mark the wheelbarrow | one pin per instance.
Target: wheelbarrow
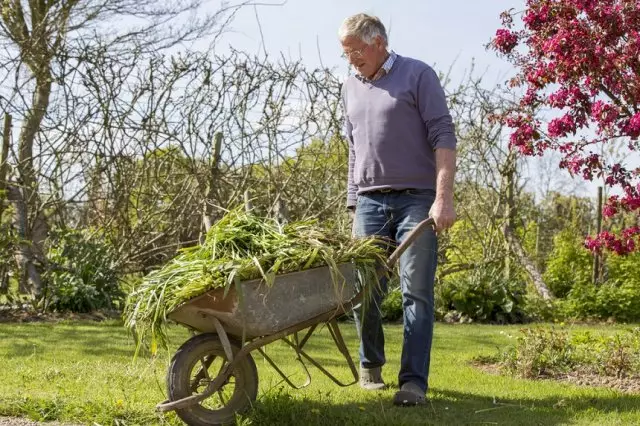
(212, 376)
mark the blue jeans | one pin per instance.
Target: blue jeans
(393, 215)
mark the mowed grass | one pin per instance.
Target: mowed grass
(84, 373)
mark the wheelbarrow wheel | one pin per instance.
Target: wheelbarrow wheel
(197, 363)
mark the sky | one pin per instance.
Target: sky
(449, 35)
(445, 34)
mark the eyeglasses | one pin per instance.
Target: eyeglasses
(352, 54)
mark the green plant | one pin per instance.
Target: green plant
(620, 355)
(538, 352)
(608, 301)
(540, 310)
(541, 352)
(8, 242)
(80, 275)
(482, 294)
(392, 305)
(569, 263)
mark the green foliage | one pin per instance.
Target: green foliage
(466, 245)
(81, 275)
(609, 301)
(568, 265)
(538, 309)
(482, 294)
(8, 241)
(623, 269)
(558, 212)
(391, 307)
(569, 276)
(541, 352)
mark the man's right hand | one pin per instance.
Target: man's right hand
(352, 214)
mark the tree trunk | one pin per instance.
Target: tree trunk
(596, 275)
(4, 157)
(207, 216)
(509, 213)
(512, 242)
(29, 217)
(516, 248)
(24, 254)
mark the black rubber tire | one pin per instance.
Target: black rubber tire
(179, 376)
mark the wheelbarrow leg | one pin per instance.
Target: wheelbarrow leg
(336, 334)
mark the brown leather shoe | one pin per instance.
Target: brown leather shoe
(409, 395)
(371, 379)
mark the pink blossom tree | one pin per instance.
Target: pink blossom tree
(579, 59)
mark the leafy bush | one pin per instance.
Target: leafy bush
(539, 352)
(539, 309)
(542, 352)
(568, 275)
(569, 263)
(482, 294)
(8, 242)
(81, 277)
(609, 301)
(392, 305)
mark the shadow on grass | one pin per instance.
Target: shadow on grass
(445, 408)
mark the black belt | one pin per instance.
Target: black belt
(389, 191)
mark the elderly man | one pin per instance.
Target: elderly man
(401, 170)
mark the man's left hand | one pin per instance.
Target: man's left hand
(443, 213)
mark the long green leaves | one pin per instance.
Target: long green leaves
(237, 248)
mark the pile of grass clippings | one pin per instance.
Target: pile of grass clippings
(240, 247)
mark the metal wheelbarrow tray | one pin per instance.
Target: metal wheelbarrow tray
(263, 309)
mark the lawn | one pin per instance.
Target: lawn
(83, 372)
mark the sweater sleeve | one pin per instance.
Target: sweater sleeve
(432, 104)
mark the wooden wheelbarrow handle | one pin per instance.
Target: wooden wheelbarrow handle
(415, 233)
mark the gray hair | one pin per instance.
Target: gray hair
(363, 26)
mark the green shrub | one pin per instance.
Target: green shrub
(569, 263)
(569, 277)
(608, 301)
(8, 242)
(483, 295)
(81, 277)
(541, 352)
(623, 269)
(392, 305)
(538, 309)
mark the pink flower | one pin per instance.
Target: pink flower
(505, 41)
(609, 210)
(632, 126)
(560, 127)
(604, 114)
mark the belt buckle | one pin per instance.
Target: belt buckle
(385, 190)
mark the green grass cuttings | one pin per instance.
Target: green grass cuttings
(239, 247)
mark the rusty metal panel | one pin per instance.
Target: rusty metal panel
(263, 310)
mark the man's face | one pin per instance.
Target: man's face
(366, 58)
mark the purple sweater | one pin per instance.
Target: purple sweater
(393, 126)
